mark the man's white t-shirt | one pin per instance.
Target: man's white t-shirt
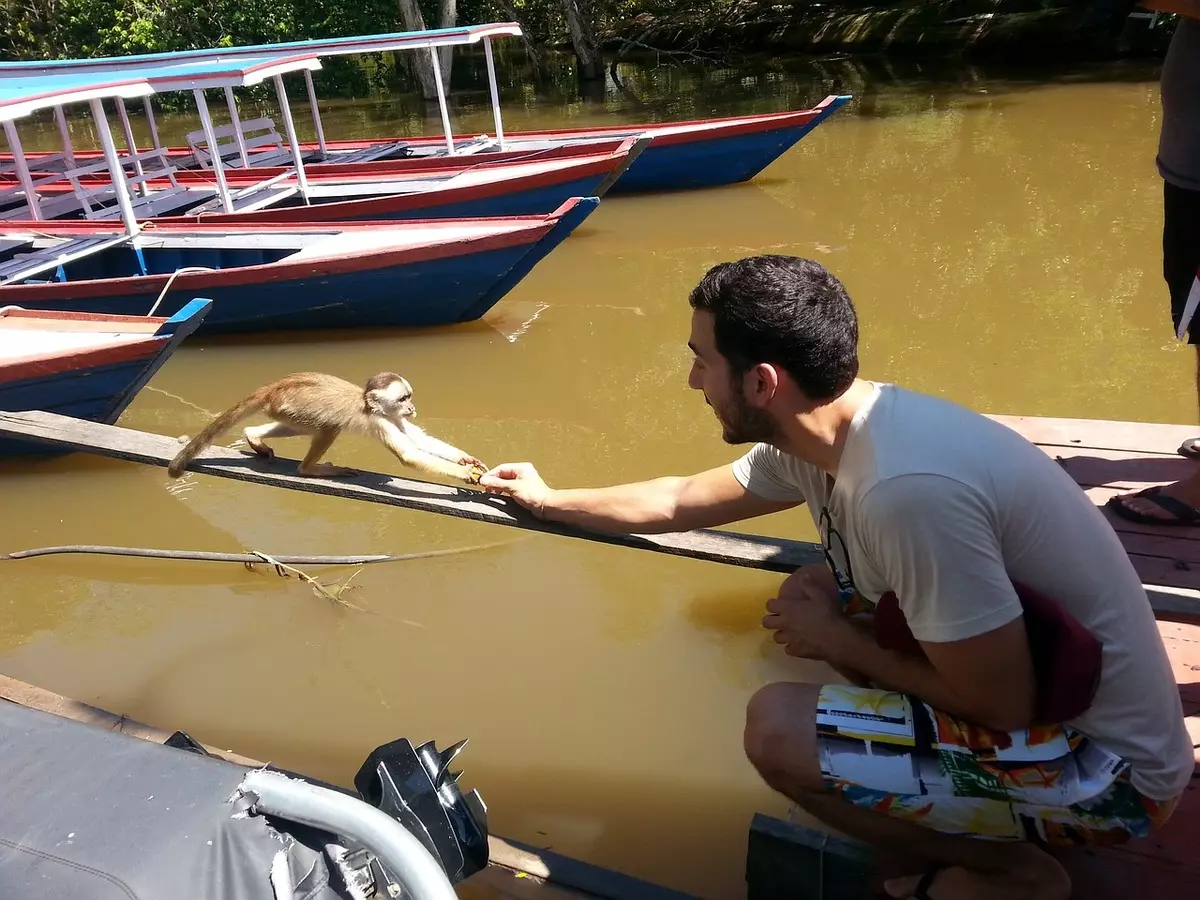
(947, 508)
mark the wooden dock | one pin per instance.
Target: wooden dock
(1110, 458)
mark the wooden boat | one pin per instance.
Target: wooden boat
(507, 189)
(459, 191)
(105, 189)
(276, 276)
(86, 365)
(681, 155)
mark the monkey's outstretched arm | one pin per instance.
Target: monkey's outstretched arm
(430, 444)
(409, 453)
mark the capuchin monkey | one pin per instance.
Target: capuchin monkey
(324, 406)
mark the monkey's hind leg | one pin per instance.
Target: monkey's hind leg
(320, 445)
(255, 433)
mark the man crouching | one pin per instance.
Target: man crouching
(1009, 685)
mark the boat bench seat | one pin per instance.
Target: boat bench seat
(476, 146)
(26, 265)
(367, 154)
(265, 149)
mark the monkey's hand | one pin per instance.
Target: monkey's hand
(468, 460)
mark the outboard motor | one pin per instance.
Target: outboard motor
(416, 787)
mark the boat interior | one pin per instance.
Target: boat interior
(30, 258)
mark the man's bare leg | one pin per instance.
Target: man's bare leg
(781, 743)
(1186, 491)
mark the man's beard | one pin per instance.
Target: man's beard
(745, 424)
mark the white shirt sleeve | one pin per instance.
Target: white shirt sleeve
(937, 543)
(765, 471)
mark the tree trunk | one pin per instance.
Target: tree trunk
(583, 39)
(531, 48)
(422, 66)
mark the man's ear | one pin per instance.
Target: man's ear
(761, 384)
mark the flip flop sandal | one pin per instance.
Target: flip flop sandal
(1190, 448)
(1181, 512)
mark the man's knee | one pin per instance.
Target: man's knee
(780, 738)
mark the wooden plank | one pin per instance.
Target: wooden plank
(772, 554)
(1146, 437)
(1120, 468)
(1159, 567)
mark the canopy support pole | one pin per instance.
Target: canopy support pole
(14, 144)
(127, 130)
(231, 102)
(297, 158)
(441, 94)
(116, 170)
(491, 67)
(214, 152)
(316, 113)
(60, 119)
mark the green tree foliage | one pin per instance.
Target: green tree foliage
(41, 29)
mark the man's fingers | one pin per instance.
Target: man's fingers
(504, 470)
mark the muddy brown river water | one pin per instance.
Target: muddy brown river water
(999, 234)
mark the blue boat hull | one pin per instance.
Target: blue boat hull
(95, 392)
(413, 294)
(711, 162)
(98, 394)
(536, 202)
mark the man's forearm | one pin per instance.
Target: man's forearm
(915, 675)
(646, 507)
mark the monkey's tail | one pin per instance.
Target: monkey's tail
(215, 429)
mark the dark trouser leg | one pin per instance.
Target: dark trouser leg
(1180, 261)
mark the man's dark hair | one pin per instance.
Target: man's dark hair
(787, 311)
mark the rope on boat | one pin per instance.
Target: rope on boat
(171, 280)
(244, 558)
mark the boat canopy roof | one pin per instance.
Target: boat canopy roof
(317, 47)
(25, 93)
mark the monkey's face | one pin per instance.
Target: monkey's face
(399, 399)
(394, 400)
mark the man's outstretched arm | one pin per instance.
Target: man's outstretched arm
(676, 503)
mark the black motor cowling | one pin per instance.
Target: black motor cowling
(416, 787)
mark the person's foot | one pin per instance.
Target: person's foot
(1035, 876)
(1172, 504)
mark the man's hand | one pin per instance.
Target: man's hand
(807, 617)
(520, 481)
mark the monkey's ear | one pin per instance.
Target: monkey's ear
(372, 399)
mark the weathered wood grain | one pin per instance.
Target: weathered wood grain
(731, 548)
(1142, 437)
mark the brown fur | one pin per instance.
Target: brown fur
(323, 406)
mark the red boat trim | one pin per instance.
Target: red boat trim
(79, 321)
(197, 282)
(31, 367)
(743, 124)
(414, 168)
(392, 203)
